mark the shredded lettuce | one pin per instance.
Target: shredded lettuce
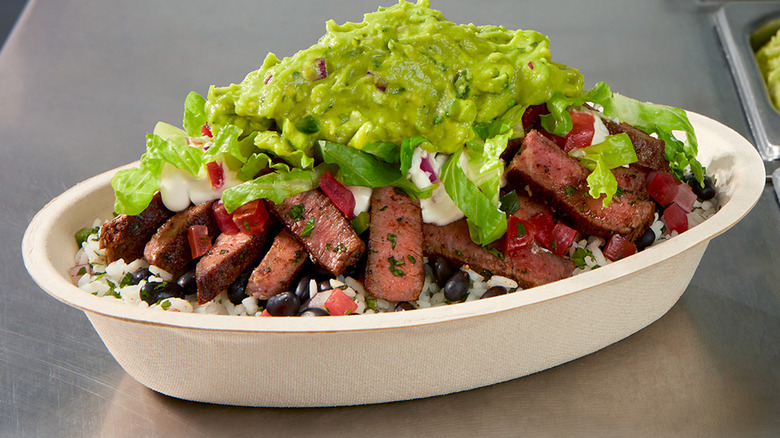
(194, 114)
(651, 118)
(385, 151)
(359, 168)
(614, 151)
(134, 189)
(275, 187)
(663, 121)
(486, 221)
(407, 149)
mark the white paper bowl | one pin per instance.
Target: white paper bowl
(348, 360)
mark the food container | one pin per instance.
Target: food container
(743, 28)
(347, 360)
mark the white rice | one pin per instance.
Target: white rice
(94, 275)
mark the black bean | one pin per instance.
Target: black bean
(138, 275)
(456, 287)
(237, 289)
(646, 239)
(404, 306)
(154, 291)
(494, 292)
(188, 283)
(283, 304)
(324, 285)
(442, 269)
(302, 288)
(314, 311)
(704, 193)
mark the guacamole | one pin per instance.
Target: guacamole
(403, 71)
(768, 58)
(366, 100)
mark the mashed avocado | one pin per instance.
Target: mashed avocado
(404, 71)
(768, 58)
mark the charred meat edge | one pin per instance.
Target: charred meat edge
(169, 248)
(278, 267)
(125, 236)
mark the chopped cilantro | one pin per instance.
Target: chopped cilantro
(579, 257)
(296, 212)
(391, 237)
(308, 227)
(125, 280)
(394, 266)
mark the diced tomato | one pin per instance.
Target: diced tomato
(252, 217)
(200, 242)
(675, 218)
(339, 303)
(216, 175)
(265, 312)
(206, 131)
(224, 219)
(662, 187)
(339, 194)
(618, 247)
(519, 234)
(666, 189)
(582, 131)
(543, 228)
(563, 236)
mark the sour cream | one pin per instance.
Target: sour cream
(179, 189)
(439, 208)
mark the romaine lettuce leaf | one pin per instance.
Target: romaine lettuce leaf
(176, 152)
(276, 187)
(359, 168)
(134, 189)
(407, 149)
(486, 221)
(650, 118)
(663, 121)
(614, 151)
(194, 114)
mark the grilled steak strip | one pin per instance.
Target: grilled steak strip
(231, 255)
(124, 236)
(561, 179)
(649, 150)
(169, 248)
(394, 268)
(321, 228)
(278, 267)
(531, 267)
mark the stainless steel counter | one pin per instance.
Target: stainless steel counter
(81, 82)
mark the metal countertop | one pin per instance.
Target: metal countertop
(81, 82)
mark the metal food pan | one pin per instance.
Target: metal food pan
(743, 27)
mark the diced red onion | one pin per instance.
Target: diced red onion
(427, 167)
(685, 198)
(268, 79)
(74, 272)
(530, 65)
(321, 68)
